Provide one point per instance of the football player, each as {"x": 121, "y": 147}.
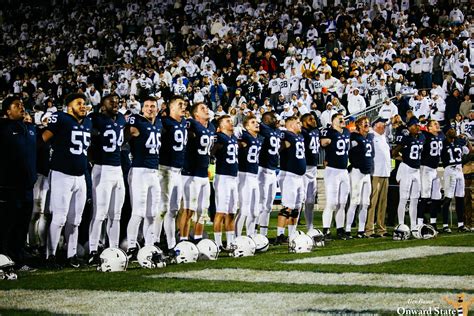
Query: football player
{"x": 201, "y": 136}
{"x": 144, "y": 136}
{"x": 249, "y": 194}
{"x": 70, "y": 134}
{"x": 311, "y": 143}
{"x": 268, "y": 163}
{"x": 408, "y": 174}
{"x": 290, "y": 179}
{"x": 173, "y": 145}
{"x": 336, "y": 140}
{"x": 430, "y": 182}
{"x": 454, "y": 147}
{"x": 225, "y": 182}
{"x": 361, "y": 157}
{"x": 39, "y": 223}
{"x": 108, "y": 188}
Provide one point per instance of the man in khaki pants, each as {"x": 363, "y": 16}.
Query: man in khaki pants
{"x": 381, "y": 174}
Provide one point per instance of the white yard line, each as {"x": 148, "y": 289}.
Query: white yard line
{"x": 381, "y": 256}
{"x": 112, "y": 302}
{"x": 305, "y": 277}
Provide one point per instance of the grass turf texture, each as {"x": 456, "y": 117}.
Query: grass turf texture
{"x": 276, "y": 259}
{"x": 134, "y": 280}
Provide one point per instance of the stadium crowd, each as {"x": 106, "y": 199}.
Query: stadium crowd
{"x": 242, "y": 59}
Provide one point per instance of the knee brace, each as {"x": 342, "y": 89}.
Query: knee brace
{"x": 284, "y": 212}
{"x": 295, "y": 213}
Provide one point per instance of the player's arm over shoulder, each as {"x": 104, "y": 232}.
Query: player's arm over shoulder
{"x": 131, "y": 129}
{"x": 53, "y": 126}
{"x": 324, "y": 137}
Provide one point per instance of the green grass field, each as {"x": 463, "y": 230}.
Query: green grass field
{"x": 268, "y": 283}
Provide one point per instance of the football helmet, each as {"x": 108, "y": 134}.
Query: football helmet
{"x": 424, "y": 231}
{"x": 113, "y": 260}
{"x": 151, "y": 257}
{"x": 186, "y": 252}
{"x": 208, "y": 249}
{"x": 401, "y": 232}
{"x": 6, "y": 268}
{"x": 261, "y": 242}
{"x": 317, "y": 236}
{"x": 301, "y": 244}
{"x": 296, "y": 233}
{"x": 243, "y": 246}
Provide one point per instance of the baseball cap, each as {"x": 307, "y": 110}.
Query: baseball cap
{"x": 379, "y": 120}
{"x": 412, "y": 121}
{"x": 448, "y": 126}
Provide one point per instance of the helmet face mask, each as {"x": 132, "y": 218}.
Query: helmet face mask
{"x": 243, "y": 246}
{"x": 424, "y": 231}
{"x": 401, "y": 232}
{"x": 317, "y": 236}
{"x": 113, "y": 260}
{"x": 301, "y": 244}
{"x": 151, "y": 257}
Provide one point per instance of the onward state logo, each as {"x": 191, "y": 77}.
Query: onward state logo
{"x": 460, "y": 306}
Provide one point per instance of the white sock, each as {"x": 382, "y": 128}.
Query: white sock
{"x": 196, "y": 237}
{"x": 362, "y": 217}
{"x": 94, "y": 234}
{"x": 132, "y": 231}
{"x": 230, "y": 235}
{"x": 53, "y": 238}
{"x": 350, "y": 217}
{"x": 327, "y": 215}
{"x": 113, "y": 232}
{"x": 158, "y": 227}
{"x": 218, "y": 239}
{"x": 413, "y": 212}
{"x": 184, "y": 238}
{"x": 280, "y": 231}
{"x": 291, "y": 229}
{"x": 308, "y": 215}
{"x": 239, "y": 223}
{"x": 340, "y": 215}
{"x": 170, "y": 229}
{"x": 419, "y": 221}
{"x": 263, "y": 221}
{"x": 401, "y": 211}
{"x": 432, "y": 220}
{"x": 460, "y": 224}
{"x": 72, "y": 233}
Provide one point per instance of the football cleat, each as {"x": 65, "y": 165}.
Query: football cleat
{"x": 446, "y": 230}
{"x": 281, "y": 239}
{"x": 132, "y": 254}
{"x": 74, "y": 262}
{"x": 361, "y": 235}
{"x": 463, "y": 229}
{"x": 51, "y": 263}
{"x": 94, "y": 259}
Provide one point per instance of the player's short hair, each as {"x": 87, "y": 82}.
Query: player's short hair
{"x": 150, "y": 98}
{"x": 8, "y": 101}
{"x": 195, "y": 107}
{"x": 430, "y": 122}
{"x": 108, "y": 96}
{"x": 359, "y": 121}
{"x": 305, "y": 116}
{"x": 221, "y": 119}
{"x": 266, "y": 116}
{"x": 291, "y": 119}
{"x": 174, "y": 98}
{"x": 73, "y": 96}
{"x": 247, "y": 119}
{"x": 335, "y": 115}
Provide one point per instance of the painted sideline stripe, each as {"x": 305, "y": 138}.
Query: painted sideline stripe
{"x": 153, "y": 303}
{"x": 381, "y": 256}
{"x": 304, "y": 277}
